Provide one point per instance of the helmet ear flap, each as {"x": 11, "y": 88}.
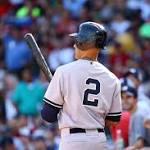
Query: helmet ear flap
{"x": 101, "y": 39}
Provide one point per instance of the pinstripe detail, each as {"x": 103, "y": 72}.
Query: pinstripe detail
{"x": 114, "y": 114}
{"x": 52, "y": 103}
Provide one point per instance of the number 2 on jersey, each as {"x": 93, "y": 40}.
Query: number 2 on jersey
{"x": 95, "y": 91}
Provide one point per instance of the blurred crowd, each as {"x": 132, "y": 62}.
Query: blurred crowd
{"x": 22, "y": 84}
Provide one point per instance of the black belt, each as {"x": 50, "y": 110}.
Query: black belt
{"x": 80, "y": 130}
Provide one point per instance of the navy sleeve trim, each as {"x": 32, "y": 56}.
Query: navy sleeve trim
{"x": 113, "y": 118}
{"x": 52, "y": 103}
{"x": 49, "y": 112}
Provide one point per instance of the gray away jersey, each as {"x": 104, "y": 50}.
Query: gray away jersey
{"x": 87, "y": 92}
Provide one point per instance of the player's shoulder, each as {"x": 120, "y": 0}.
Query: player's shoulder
{"x": 109, "y": 73}
{"x": 67, "y": 67}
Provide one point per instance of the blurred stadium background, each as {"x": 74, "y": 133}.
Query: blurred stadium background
{"x": 22, "y": 84}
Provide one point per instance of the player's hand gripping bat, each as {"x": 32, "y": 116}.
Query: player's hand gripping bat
{"x": 38, "y": 55}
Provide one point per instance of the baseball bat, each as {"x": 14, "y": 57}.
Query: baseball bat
{"x": 38, "y": 55}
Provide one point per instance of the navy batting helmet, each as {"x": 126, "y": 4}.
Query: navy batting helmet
{"x": 91, "y": 34}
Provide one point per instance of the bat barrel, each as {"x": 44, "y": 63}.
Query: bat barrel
{"x": 38, "y": 55}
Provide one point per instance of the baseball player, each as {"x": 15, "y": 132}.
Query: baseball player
{"x": 84, "y": 96}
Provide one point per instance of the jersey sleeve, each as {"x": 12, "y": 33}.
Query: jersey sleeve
{"x": 53, "y": 95}
{"x": 114, "y": 113}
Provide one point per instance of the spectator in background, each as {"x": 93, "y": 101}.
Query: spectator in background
{"x": 62, "y": 54}
{"x": 44, "y": 139}
{"x": 145, "y": 63}
{"x": 147, "y": 121}
{"x": 118, "y": 58}
{"x": 2, "y": 104}
{"x": 135, "y": 77}
{"x": 145, "y": 46}
{"x": 145, "y": 9}
{"x": 43, "y": 80}
{"x": 73, "y": 6}
{"x": 65, "y": 20}
{"x": 53, "y": 58}
{"x": 133, "y": 4}
{"x": 5, "y": 7}
{"x": 123, "y": 125}
{"x": 120, "y": 24}
{"x": 16, "y": 2}
{"x": 28, "y": 94}
{"x": 25, "y": 138}
{"x": 2, "y": 54}
{"x": 10, "y": 81}
{"x": 17, "y": 53}
{"x": 39, "y": 143}
{"x": 19, "y": 131}
{"x": 51, "y": 139}
{"x": 137, "y": 132}
{"x": 7, "y": 143}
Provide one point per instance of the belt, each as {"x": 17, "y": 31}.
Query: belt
{"x": 80, "y": 130}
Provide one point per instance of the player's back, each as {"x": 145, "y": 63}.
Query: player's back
{"x": 88, "y": 90}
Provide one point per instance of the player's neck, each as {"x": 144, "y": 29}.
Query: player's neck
{"x": 89, "y": 55}
{"x": 89, "y": 58}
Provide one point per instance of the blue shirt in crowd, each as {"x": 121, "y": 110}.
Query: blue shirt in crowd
{"x": 17, "y": 53}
